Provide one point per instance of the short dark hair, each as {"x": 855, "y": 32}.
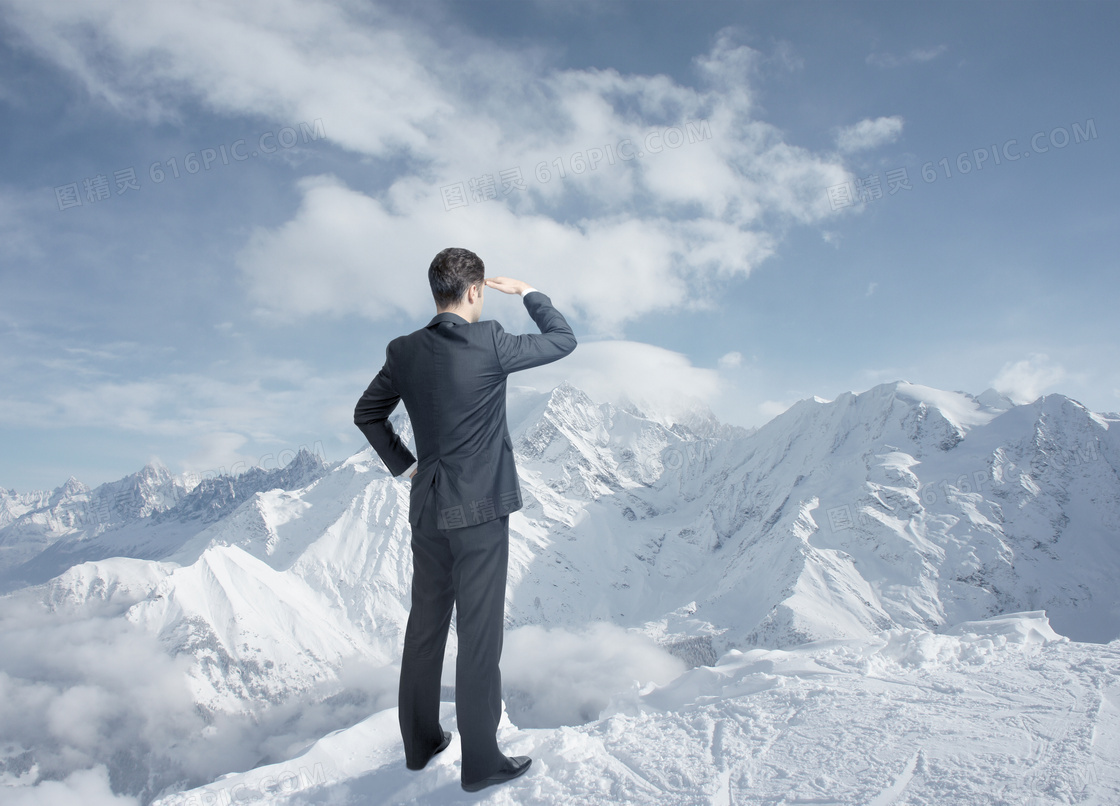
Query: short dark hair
{"x": 452, "y": 272}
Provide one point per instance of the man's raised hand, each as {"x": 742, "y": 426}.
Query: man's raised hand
{"x": 506, "y": 285}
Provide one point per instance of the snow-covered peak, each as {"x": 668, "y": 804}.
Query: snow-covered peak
{"x": 992, "y": 399}
{"x": 959, "y": 408}
{"x": 154, "y": 471}
{"x": 572, "y": 406}
{"x": 68, "y": 489}
{"x": 897, "y": 413}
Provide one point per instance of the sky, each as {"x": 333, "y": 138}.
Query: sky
{"x": 215, "y": 215}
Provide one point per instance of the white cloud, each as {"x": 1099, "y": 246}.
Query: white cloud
{"x": 347, "y": 253}
{"x": 769, "y": 409}
{"x": 557, "y": 677}
{"x": 1024, "y": 381}
{"x": 87, "y": 787}
{"x": 786, "y": 57}
{"x": 83, "y": 689}
{"x": 282, "y": 59}
{"x": 218, "y": 449}
{"x": 17, "y": 232}
{"x": 731, "y": 360}
{"x": 77, "y": 691}
{"x": 706, "y": 202}
{"x": 914, "y": 56}
{"x": 869, "y": 133}
{"x": 242, "y": 414}
{"x": 662, "y": 383}
{"x": 873, "y": 376}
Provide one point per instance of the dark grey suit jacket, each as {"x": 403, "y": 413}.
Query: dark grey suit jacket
{"x": 451, "y": 376}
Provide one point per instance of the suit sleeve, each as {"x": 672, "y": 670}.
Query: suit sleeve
{"x": 554, "y": 341}
{"x": 371, "y": 415}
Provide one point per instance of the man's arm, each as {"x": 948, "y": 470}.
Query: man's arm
{"x": 555, "y": 340}
{"x": 371, "y": 415}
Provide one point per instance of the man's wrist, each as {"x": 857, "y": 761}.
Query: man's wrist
{"x": 526, "y": 290}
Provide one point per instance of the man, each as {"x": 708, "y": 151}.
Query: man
{"x": 451, "y": 376}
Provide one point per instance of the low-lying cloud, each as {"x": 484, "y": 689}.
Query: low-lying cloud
{"x": 1024, "y": 381}
{"x": 555, "y": 677}
{"x": 93, "y": 710}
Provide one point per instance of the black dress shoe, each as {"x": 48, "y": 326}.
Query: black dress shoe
{"x": 515, "y": 768}
{"x": 442, "y": 746}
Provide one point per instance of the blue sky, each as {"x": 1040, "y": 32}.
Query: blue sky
{"x": 225, "y": 316}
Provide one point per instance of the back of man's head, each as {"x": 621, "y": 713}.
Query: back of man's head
{"x": 452, "y": 272}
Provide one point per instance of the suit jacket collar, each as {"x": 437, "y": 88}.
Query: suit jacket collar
{"x": 447, "y": 316}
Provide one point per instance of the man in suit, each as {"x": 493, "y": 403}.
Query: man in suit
{"x": 451, "y": 376}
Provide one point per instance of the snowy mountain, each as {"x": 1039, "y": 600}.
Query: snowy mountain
{"x": 875, "y": 521}
{"x": 903, "y": 506}
{"x": 33, "y": 522}
{"x": 145, "y": 515}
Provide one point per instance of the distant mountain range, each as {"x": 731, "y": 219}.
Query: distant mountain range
{"x": 902, "y": 505}
{"x": 144, "y": 515}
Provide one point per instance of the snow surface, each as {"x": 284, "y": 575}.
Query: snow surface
{"x": 867, "y": 600}
{"x": 1002, "y": 711}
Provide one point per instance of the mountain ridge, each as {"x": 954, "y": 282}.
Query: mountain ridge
{"x": 900, "y": 508}
{"x": 827, "y": 476}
